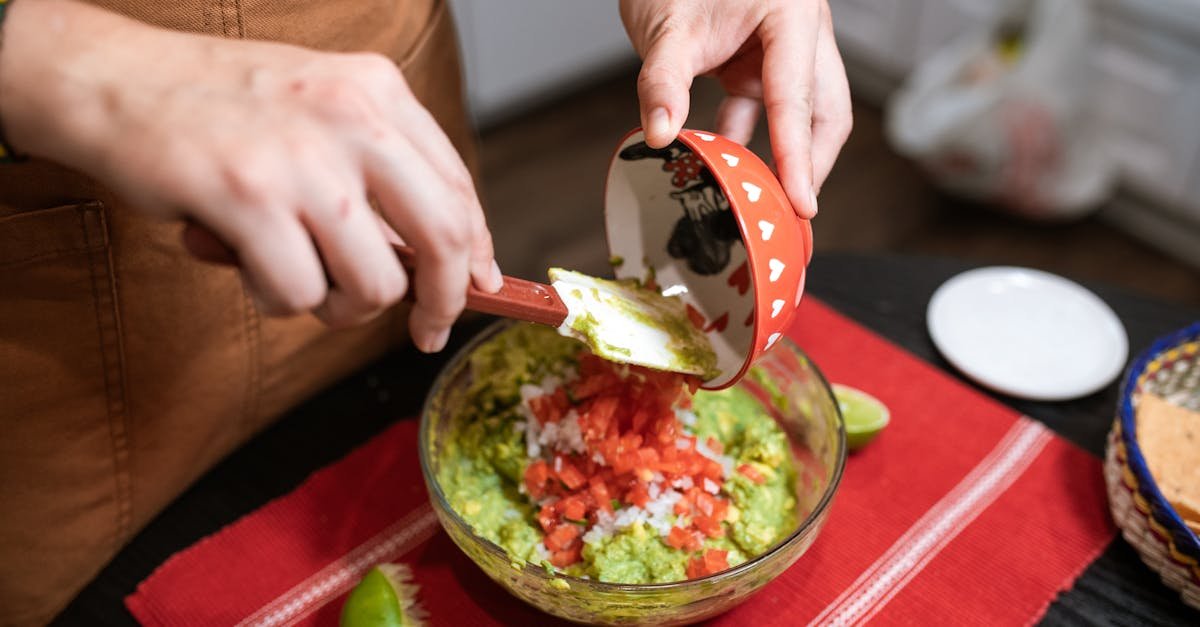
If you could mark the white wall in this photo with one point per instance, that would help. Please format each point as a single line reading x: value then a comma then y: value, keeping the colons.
x: 520, y: 51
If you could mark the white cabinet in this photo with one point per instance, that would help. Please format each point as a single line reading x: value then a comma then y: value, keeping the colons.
x: 943, y: 20
x: 1146, y: 96
x: 880, y: 33
x: 519, y: 51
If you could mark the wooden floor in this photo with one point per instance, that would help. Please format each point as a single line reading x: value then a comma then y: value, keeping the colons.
x: 543, y: 180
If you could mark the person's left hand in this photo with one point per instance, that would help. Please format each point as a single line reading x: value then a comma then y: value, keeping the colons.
x: 777, y: 53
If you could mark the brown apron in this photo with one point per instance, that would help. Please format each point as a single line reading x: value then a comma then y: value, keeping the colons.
x: 127, y: 368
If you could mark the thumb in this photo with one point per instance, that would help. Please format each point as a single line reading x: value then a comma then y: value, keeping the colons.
x: 663, y: 89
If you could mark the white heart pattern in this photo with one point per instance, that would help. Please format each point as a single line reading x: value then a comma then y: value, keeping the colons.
x: 767, y: 229
x: 776, y: 306
x: 705, y: 136
x: 771, y: 340
x: 752, y: 191
x: 731, y: 160
x: 776, y: 267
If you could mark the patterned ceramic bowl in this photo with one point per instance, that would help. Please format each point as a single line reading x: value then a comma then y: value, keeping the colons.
x: 708, y: 221
x: 804, y: 407
x: 1169, y: 368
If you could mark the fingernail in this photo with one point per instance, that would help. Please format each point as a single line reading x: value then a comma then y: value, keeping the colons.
x: 497, y: 279
x: 659, y: 122
x: 434, y: 343
x: 812, y: 201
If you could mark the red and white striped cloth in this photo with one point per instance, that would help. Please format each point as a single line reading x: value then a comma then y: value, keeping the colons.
x: 962, y: 512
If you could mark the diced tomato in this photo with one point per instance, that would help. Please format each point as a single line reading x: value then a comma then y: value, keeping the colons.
x: 536, y: 475
x: 638, y: 495
x: 545, y: 409
x: 712, y: 470
x: 608, y: 448
x: 716, y: 560
x: 684, y: 539
x: 562, y: 536
x: 678, y: 537
x: 751, y: 473
x: 648, y: 458
x: 561, y: 401
x: 566, y: 557
x: 713, y: 561
x: 590, y: 364
x: 640, y: 418
x: 573, y: 508
x: 591, y: 384
x: 715, y: 445
x: 597, y: 417
x: 720, y: 509
x: 666, y: 431
x: 600, y: 495
x: 547, y: 517
x: 569, y: 474
x: 631, y: 436
x: 708, y: 526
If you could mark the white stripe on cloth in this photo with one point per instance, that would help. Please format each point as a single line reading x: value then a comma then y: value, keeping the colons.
x: 343, y: 574
x: 939, y: 526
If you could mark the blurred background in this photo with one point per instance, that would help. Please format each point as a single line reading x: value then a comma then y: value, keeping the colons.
x: 1057, y: 134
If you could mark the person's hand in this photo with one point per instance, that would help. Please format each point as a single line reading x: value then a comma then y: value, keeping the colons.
x: 777, y: 53
x: 275, y: 150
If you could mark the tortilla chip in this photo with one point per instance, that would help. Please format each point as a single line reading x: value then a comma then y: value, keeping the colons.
x: 1169, y: 437
x: 1189, y: 511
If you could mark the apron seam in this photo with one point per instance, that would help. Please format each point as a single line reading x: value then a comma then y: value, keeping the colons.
x: 104, y: 297
x: 252, y: 327
x: 418, y: 46
x: 46, y: 256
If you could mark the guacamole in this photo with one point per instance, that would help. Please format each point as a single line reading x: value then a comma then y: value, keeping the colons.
x: 623, y: 321
x: 612, y: 472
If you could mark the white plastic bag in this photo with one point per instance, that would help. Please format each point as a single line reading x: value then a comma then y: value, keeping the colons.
x: 997, y: 114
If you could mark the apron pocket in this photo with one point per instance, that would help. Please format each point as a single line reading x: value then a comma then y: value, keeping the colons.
x: 64, y: 456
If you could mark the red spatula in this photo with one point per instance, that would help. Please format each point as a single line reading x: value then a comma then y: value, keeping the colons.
x: 618, y: 320
x: 517, y: 298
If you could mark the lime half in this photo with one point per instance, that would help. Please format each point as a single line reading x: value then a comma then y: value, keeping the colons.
x: 863, y: 414
x: 384, y: 598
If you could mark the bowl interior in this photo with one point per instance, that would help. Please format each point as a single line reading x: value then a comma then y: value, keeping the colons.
x: 708, y: 221
x: 799, y: 398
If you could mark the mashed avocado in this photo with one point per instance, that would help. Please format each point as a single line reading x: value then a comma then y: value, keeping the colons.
x: 491, y: 446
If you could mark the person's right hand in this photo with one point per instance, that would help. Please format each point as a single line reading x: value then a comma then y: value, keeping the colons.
x: 274, y: 149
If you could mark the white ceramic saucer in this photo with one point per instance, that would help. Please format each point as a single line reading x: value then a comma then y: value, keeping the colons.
x: 1027, y: 333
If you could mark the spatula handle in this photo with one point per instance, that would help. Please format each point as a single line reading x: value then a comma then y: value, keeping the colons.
x: 517, y: 298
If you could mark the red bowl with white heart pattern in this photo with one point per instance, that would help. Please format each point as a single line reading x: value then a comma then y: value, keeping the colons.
x: 705, y: 219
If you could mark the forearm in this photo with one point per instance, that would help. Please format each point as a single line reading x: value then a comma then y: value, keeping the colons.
x: 59, y: 63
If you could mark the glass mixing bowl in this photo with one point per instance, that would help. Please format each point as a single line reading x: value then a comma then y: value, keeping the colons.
x: 800, y: 399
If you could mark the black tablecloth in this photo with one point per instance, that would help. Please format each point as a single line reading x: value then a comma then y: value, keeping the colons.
x: 885, y: 293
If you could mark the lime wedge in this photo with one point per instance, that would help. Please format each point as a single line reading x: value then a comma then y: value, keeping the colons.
x: 863, y: 414
x: 384, y: 598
